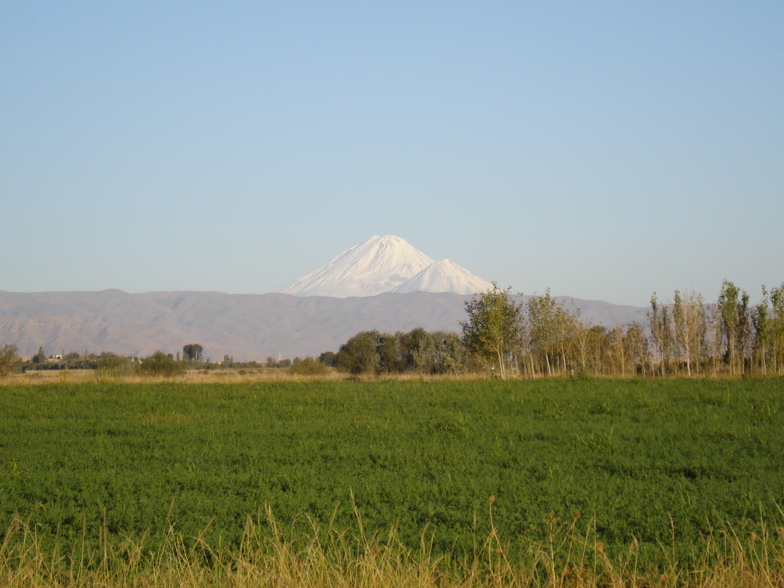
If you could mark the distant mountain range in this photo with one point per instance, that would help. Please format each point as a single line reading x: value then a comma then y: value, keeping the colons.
x: 382, y: 284
x: 246, y: 326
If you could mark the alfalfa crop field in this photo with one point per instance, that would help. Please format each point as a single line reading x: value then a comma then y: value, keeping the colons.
x: 654, y: 469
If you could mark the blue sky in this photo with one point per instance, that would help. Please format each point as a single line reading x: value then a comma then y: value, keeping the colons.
x: 604, y: 150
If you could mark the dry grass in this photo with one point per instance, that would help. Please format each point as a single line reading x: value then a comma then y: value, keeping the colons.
x: 331, y: 558
x: 227, y: 376
x: 251, y: 375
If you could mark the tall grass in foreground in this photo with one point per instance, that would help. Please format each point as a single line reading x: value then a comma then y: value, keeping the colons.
x: 564, y: 558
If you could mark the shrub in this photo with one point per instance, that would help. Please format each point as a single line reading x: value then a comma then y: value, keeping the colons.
x: 113, y: 365
x: 160, y: 364
x: 309, y: 367
x: 9, y: 360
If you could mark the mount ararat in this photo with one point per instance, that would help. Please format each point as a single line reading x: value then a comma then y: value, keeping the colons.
x: 385, y: 264
x: 383, y: 284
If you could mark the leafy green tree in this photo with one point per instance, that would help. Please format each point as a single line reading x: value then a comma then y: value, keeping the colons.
x: 390, y: 353
x: 636, y: 345
x: 9, y: 359
x: 419, y: 351
x: 777, y: 329
x: 327, y: 358
x: 761, y: 323
x: 192, y: 352
x: 551, y: 331
x: 359, y: 355
x: 660, y: 325
x: 493, y: 329
x: 40, y: 356
x: 733, y: 324
x: 617, y: 352
x: 448, y: 353
x: 416, y: 351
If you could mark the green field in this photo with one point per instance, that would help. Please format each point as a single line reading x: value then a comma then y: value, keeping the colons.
x: 664, y: 462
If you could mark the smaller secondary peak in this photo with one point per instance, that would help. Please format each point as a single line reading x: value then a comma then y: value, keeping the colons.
x: 445, y: 276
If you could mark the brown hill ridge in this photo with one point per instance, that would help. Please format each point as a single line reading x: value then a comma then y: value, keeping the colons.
x: 245, y: 326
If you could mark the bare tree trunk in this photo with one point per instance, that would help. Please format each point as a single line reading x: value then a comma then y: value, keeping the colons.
x: 501, y: 364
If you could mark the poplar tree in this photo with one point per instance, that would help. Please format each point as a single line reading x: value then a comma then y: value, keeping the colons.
x: 777, y: 329
x: 636, y: 345
x: 552, y: 330
x: 690, y: 324
x: 761, y: 322
x: 733, y: 323
x: 617, y: 351
x: 493, y: 329
x: 598, y: 347
x: 661, y: 332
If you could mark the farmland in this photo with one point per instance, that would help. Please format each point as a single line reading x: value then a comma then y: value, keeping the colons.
x: 651, y: 462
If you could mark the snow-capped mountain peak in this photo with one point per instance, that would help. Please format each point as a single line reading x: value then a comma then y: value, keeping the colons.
x: 378, y: 265
x: 384, y: 264
x: 445, y: 276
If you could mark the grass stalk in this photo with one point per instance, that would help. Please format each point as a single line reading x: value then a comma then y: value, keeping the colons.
x: 333, y: 557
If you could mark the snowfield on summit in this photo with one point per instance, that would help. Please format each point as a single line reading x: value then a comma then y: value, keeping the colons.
x: 385, y: 264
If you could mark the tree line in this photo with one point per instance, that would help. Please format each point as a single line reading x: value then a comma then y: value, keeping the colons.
x: 534, y: 337
x: 156, y: 364
x: 417, y: 351
x: 541, y: 336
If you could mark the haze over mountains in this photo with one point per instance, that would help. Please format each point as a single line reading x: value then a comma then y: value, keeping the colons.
x: 245, y: 326
x: 382, y: 284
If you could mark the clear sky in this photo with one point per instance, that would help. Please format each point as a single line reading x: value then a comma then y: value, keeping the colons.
x: 605, y: 150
